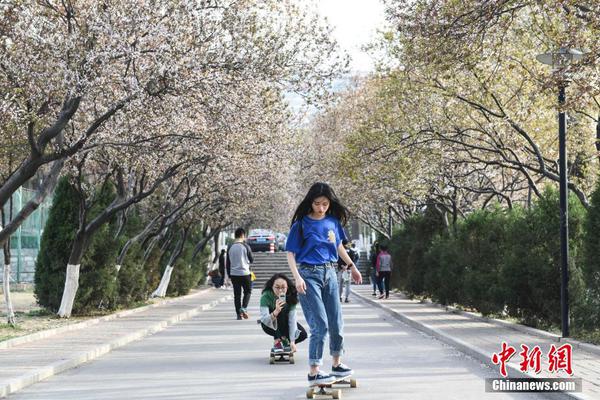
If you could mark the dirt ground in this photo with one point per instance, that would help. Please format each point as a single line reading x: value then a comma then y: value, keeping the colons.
x: 30, y: 317
x: 22, y: 302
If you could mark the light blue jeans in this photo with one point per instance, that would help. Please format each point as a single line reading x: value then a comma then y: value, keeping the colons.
x: 344, y: 286
x: 322, y: 310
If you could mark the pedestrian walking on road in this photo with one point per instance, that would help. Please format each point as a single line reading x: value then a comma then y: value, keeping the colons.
x: 222, y: 262
x: 344, y: 274
x: 372, y: 270
x: 278, y: 314
x: 384, y: 267
x: 239, y: 258
x: 314, y: 245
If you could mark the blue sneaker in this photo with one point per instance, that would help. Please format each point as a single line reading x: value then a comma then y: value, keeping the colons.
x: 321, y: 379
x: 341, y: 371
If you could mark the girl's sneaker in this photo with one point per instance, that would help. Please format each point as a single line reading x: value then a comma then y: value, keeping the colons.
x: 277, y: 348
x: 341, y: 370
x: 321, y: 379
x: 286, y: 345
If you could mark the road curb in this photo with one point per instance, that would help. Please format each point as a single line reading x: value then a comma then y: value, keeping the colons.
x: 466, y: 348
x: 16, y: 384
x: 7, y: 344
x: 515, y: 326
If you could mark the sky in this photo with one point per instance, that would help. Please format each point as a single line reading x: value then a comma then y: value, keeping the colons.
x: 355, y: 23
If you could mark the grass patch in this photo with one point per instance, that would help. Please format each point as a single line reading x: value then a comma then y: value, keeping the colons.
x: 592, y: 337
x: 9, y: 326
x: 40, y: 312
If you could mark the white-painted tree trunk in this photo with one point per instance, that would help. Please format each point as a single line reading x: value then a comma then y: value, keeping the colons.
x: 68, y: 297
x: 10, y: 314
x: 118, y: 268
x: 161, y: 291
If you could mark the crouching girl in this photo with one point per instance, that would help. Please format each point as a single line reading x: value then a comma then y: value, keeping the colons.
x: 278, y: 314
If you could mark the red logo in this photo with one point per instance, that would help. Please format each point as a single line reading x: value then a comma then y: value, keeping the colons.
x: 531, y: 359
x: 559, y: 359
x: 503, y: 357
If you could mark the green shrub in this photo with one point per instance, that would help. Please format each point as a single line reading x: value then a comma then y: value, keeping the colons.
x: 97, y: 286
x: 531, y: 273
x: 132, y: 282
x: 481, y: 240
x: 587, y: 314
x: 187, y: 273
x: 55, y: 246
x: 97, y: 279
x: 505, y: 261
x: 444, y: 275
x: 408, y: 247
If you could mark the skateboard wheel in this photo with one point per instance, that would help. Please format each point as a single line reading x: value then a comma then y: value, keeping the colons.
x: 353, y: 383
x: 310, y: 394
x: 336, y: 394
x: 271, y: 360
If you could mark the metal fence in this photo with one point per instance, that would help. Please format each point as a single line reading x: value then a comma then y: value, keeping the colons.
x: 25, y: 242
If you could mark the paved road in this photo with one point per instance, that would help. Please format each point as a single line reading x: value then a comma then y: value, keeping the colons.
x: 214, y: 356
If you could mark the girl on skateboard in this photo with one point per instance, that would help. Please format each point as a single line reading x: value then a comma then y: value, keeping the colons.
x: 313, y: 246
x: 278, y: 314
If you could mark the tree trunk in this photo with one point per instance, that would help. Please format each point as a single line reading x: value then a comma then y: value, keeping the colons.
x: 139, y: 237
x: 72, y: 277
x: 10, y: 314
x: 598, y: 136
x: 216, y: 250
x: 161, y: 291
x: 207, y: 236
x: 71, y: 286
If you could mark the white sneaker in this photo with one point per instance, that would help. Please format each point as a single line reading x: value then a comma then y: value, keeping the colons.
x: 321, y: 379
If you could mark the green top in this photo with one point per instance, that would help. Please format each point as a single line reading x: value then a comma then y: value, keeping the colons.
x: 268, y: 299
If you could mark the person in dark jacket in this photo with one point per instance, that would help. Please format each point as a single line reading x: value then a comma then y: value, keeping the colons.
x: 372, y: 272
x: 222, y: 262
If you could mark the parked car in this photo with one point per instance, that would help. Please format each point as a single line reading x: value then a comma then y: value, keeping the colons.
x: 261, y: 240
x: 281, y: 238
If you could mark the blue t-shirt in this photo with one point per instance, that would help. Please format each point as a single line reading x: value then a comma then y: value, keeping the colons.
x: 321, y: 240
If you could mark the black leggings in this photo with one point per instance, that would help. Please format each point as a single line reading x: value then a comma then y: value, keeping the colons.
x: 240, y: 282
x: 384, y: 277
x: 284, y: 331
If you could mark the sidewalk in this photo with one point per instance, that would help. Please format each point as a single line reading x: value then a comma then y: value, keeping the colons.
x: 30, y: 359
x: 481, y: 338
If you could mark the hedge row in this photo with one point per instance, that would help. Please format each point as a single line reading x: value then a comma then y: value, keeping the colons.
x: 505, y: 262
x: 100, y: 285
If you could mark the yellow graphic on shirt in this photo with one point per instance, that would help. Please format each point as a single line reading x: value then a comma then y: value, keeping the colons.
x: 331, y: 236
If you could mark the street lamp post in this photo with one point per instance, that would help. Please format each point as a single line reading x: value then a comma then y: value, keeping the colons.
x: 559, y: 60
x: 390, y: 222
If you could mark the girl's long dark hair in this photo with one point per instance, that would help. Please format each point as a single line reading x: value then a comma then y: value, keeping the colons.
x: 291, y: 294
x: 336, y: 208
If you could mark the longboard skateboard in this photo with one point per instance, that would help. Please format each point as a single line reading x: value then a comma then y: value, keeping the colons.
x: 286, y: 356
x: 329, y: 390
